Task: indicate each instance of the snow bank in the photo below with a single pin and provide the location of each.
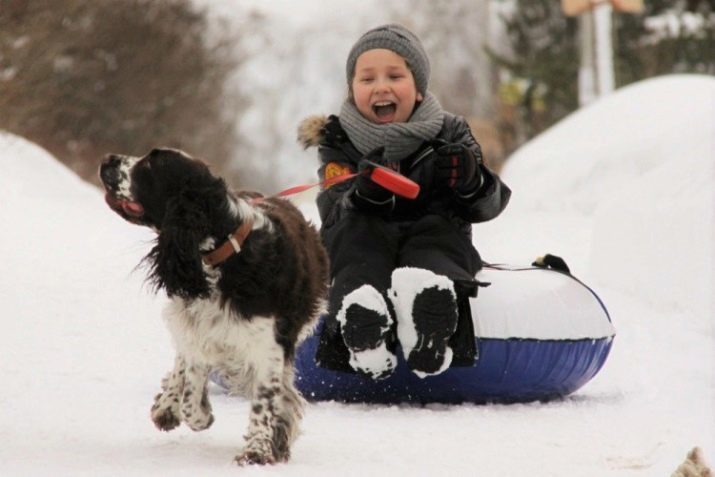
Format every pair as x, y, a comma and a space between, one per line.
28, 170
593, 154
639, 166
52, 210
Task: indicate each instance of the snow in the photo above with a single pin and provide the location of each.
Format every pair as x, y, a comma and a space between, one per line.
633, 174
622, 189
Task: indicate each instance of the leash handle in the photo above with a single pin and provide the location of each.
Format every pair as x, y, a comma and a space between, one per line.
395, 182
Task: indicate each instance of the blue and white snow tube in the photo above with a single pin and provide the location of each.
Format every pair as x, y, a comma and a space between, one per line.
540, 335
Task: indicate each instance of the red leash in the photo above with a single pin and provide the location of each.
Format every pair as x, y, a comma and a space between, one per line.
302, 188
387, 178
326, 183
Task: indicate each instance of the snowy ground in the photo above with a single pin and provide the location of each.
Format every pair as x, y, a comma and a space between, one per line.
623, 189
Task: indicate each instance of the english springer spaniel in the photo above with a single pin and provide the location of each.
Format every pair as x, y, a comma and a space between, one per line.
247, 278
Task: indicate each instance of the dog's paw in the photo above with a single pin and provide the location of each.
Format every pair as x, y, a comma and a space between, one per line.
164, 418
282, 455
197, 421
254, 458
165, 411
256, 452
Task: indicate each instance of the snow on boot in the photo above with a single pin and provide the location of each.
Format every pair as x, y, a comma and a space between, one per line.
366, 325
426, 308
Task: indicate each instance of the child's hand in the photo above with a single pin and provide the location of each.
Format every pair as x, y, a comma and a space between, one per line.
371, 191
376, 183
457, 168
365, 189
372, 158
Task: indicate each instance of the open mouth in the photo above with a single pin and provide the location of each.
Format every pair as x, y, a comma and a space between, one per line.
131, 210
384, 110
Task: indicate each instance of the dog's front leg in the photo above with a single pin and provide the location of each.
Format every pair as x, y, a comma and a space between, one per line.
266, 365
195, 405
290, 413
259, 448
166, 409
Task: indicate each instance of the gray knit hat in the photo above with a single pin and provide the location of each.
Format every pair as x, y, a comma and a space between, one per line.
398, 39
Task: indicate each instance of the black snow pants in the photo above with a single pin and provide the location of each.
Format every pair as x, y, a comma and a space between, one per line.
366, 249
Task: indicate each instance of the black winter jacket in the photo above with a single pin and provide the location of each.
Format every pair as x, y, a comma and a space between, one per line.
335, 147
344, 222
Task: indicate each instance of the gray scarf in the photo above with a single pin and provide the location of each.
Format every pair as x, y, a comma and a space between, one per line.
399, 139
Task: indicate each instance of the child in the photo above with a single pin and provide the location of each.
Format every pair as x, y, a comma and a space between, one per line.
402, 270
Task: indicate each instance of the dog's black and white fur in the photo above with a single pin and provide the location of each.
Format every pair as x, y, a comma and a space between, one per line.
242, 318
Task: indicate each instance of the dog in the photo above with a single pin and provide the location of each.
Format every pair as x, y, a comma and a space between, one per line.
247, 280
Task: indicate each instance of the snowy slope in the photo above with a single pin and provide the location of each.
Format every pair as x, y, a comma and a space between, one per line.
617, 188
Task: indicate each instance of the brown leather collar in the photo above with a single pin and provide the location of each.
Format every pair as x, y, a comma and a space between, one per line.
230, 246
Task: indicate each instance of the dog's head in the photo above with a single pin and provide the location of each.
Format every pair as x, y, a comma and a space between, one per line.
140, 189
177, 196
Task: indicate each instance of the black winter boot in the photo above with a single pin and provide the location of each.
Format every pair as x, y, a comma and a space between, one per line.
367, 330
426, 308
435, 318
364, 328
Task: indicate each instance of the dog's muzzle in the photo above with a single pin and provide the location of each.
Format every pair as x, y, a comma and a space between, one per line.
111, 176
131, 209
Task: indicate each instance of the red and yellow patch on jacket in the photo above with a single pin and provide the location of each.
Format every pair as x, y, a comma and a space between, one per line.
333, 170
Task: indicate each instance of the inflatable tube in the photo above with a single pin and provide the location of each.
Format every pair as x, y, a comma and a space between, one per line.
540, 335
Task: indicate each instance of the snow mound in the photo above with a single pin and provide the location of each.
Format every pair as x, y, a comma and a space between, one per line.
59, 233
51, 207
28, 170
596, 153
637, 165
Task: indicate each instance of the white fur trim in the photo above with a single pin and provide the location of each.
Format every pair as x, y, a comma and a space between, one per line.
310, 130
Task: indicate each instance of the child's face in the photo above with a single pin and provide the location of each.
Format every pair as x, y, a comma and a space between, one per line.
383, 87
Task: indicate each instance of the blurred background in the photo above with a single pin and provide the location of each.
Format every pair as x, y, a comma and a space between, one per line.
229, 80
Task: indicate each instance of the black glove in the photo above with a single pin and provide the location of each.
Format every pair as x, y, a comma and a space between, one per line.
456, 167
368, 194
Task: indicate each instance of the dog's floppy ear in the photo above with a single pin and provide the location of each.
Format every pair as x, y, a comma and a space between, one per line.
175, 260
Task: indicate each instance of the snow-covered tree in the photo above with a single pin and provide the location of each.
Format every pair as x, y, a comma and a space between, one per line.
670, 36
540, 72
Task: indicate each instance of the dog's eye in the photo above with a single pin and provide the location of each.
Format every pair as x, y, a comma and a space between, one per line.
142, 174
144, 164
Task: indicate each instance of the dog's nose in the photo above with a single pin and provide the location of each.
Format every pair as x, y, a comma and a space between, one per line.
109, 170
